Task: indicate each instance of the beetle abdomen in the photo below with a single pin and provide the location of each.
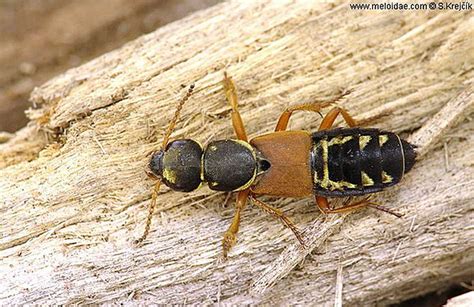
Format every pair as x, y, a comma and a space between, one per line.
356, 161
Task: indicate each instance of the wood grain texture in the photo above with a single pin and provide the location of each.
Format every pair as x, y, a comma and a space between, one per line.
70, 215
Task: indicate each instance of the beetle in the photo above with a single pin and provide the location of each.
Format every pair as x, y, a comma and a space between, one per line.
331, 162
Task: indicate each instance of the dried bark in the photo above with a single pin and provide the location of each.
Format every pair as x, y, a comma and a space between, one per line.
69, 216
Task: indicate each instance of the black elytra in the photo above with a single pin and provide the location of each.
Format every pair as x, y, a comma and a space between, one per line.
357, 161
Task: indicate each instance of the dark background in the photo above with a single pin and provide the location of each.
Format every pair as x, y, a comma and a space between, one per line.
40, 39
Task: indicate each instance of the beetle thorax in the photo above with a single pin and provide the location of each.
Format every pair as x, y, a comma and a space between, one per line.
229, 165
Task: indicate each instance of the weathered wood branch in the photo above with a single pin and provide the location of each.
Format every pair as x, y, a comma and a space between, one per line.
69, 216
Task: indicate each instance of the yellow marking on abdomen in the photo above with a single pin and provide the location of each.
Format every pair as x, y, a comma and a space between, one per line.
386, 178
341, 184
366, 180
383, 138
325, 181
363, 141
339, 141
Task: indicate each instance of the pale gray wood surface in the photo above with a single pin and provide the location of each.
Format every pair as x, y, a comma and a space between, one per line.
70, 215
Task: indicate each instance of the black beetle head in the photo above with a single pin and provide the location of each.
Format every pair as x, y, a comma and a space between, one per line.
156, 163
179, 165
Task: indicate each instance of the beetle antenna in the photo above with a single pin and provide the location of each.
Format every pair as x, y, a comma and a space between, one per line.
176, 116
156, 189
151, 209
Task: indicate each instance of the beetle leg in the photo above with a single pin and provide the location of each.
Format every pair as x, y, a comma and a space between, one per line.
329, 119
278, 214
313, 107
230, 235
323, 205
150, 174
231, 95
